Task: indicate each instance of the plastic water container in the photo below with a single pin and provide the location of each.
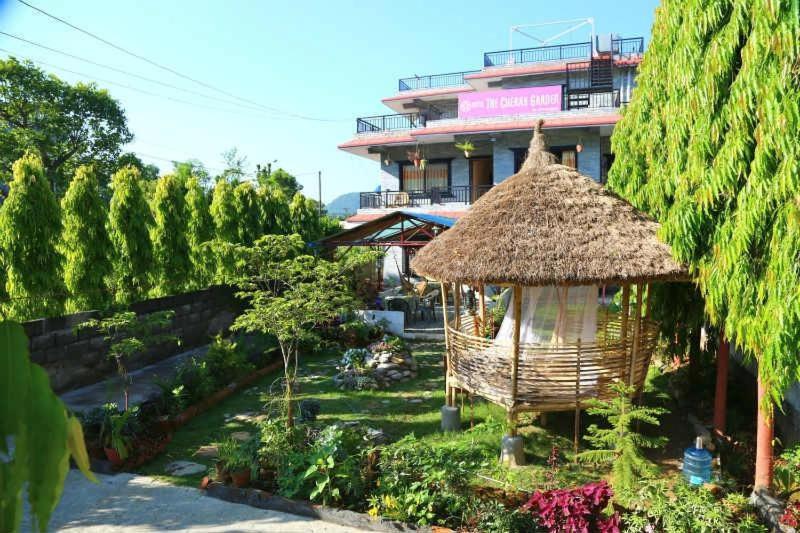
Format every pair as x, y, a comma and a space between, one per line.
697, 464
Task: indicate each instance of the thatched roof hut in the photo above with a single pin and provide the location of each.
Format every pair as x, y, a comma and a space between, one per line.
549, 225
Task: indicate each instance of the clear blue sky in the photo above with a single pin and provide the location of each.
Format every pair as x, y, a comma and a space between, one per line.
327, 59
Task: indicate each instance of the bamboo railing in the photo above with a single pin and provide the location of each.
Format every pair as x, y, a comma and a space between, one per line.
547, 377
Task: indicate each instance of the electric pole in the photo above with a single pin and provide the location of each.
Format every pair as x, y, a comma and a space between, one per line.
319, 185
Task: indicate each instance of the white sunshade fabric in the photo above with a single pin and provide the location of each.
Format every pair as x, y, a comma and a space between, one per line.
553, 315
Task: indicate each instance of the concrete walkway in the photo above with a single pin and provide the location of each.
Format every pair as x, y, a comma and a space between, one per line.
142, 384
127, 503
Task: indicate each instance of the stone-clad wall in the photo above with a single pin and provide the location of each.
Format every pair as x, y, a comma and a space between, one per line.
74, 359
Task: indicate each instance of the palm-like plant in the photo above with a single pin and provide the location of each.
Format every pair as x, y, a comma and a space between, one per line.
621, 445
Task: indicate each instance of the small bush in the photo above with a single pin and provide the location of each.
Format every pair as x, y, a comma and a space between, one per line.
579, 509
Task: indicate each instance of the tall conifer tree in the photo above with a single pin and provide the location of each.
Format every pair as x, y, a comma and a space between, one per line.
200, 230
85, 242
248, 213
223, 212
173, 263
30, 229
129, 222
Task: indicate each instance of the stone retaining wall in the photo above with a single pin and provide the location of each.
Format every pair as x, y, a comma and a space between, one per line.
74, 359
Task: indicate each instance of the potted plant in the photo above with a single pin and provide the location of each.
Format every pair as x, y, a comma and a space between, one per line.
467, 147
236, 461
423, 163
116, 442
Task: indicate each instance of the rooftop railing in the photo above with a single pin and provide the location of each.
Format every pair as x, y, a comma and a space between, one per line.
560, 52
434, 81
379, 123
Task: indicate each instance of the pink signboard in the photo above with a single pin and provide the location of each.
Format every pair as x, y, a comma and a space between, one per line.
525, 101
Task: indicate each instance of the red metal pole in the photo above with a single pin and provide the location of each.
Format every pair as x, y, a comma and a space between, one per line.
721, 394
764, 437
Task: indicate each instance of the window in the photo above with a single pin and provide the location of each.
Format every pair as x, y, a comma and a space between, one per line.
435, 176
566, 155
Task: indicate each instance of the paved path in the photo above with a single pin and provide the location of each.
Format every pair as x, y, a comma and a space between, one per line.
127, 503
143, 384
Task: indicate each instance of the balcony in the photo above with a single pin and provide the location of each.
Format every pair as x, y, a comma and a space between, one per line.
560, 52
459, 194
434, 81
379, 123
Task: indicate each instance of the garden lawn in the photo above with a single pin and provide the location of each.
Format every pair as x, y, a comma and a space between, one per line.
410, 407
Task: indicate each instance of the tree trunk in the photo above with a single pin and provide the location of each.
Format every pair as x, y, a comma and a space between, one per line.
764, 437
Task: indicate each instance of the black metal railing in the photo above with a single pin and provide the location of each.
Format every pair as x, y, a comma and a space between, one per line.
592, 99
463, 194
538, 54
627, 47
559, 52
403, 121
434, 81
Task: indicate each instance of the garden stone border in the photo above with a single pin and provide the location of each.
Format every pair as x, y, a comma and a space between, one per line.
342, 517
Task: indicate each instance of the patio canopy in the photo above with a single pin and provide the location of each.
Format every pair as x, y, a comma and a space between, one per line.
398, 228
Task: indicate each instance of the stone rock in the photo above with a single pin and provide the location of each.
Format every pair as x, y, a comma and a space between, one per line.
377, 436
241, 436
246, 417
386, 402
207, 452
184, 468
415, 400
406, 373
388, 366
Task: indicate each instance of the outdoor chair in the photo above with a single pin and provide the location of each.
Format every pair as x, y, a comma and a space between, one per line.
398, 304
428, 304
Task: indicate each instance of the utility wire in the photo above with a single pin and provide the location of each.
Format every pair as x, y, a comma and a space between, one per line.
171, 70
127, 73
146, 92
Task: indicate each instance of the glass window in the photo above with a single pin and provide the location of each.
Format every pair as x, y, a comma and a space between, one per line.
435, 176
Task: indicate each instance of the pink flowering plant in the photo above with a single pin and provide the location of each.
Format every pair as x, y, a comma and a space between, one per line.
577, 510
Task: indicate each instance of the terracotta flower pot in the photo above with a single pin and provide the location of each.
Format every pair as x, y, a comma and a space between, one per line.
241, 478
113, 456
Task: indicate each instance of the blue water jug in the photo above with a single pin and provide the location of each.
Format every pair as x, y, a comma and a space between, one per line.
697, 464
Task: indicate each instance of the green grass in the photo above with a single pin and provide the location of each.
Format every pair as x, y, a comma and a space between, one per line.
388, 410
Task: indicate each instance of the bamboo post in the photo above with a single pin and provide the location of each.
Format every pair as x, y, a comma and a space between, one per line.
447, 345
482, 306
577, 401
512, 416
457, 320
626, 301
765, 433
637, 323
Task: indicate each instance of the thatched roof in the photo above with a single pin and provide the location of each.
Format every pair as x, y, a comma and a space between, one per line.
549, 225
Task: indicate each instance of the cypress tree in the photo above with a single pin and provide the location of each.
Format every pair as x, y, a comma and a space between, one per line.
30, 228
274, 210
248, 213
173, 264
200, 229
129, 221
223, 212
85, 242
708, 145
304, 216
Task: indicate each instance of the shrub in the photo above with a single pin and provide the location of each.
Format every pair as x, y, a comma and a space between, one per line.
355, 358
238, 455
328, 470
791, 515
421, 484
578, 509
787, 473
674, 506
494, 517
226, 362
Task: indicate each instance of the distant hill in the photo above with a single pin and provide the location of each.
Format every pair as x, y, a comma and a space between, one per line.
344, 205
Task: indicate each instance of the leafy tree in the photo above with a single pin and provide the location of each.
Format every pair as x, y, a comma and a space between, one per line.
148, 172
304, 215
37, 436
200, 229
620, 445
69, 125
30, 229
223, 212
290, 299
192, 168
129, 336
708, 147
248, 213
235, 165
281, 179
129, 220
171, 251
85, 242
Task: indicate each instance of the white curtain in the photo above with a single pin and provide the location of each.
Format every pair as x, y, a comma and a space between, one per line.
544, 320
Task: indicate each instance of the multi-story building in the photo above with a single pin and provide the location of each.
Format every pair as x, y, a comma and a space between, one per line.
577, 88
